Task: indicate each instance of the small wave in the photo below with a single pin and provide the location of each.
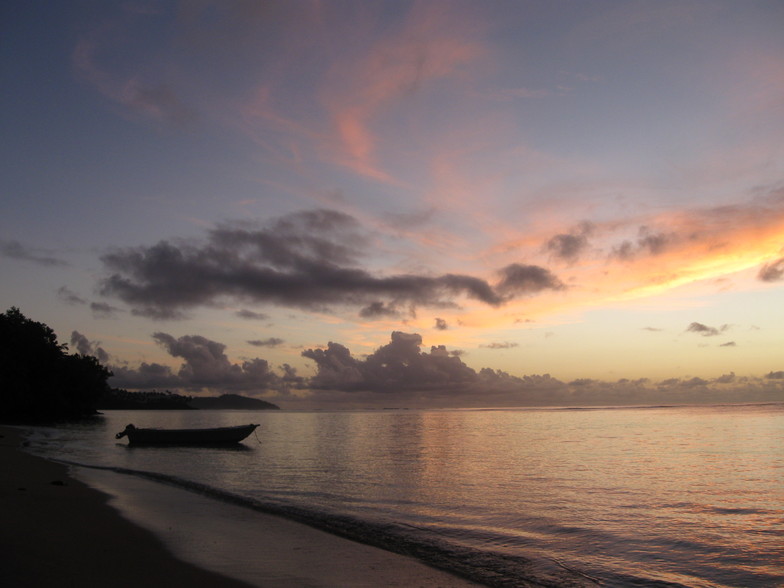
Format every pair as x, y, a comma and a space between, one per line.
485, 567
738, 511
711, 509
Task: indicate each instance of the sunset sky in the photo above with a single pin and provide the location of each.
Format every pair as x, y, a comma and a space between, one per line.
402, 203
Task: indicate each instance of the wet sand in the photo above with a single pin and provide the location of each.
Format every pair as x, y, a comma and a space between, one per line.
57, 530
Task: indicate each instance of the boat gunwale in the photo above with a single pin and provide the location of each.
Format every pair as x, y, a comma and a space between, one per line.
205, 436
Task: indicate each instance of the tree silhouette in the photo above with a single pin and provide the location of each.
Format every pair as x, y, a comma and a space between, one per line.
39, 380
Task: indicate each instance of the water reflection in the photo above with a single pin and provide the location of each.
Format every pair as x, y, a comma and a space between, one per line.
681, 493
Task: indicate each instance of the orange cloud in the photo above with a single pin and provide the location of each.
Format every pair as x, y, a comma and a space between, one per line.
683, 247
701, 246
642, 258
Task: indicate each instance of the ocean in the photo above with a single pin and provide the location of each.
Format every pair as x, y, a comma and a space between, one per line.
645, 496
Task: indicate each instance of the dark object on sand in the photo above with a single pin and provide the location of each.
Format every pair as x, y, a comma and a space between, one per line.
216, 436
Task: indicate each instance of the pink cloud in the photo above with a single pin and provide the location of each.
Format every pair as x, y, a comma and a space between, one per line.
400, 63
346, 110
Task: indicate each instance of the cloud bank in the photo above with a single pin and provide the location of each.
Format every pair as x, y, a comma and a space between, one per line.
399, 373
205, 367
308, 260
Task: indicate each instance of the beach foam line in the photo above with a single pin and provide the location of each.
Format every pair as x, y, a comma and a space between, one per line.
460, 564
108, 539
255, 546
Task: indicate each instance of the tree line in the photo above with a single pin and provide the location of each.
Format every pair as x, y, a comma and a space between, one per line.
39, 379
40, 382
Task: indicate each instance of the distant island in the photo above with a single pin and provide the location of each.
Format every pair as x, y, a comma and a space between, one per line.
120, 399
231, 401
41, 382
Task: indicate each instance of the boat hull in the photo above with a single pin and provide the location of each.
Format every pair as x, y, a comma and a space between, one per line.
214, 436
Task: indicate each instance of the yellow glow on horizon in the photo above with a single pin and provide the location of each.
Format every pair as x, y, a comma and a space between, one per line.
605, 283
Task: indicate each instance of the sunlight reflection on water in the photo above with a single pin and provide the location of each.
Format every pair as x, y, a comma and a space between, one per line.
687, 495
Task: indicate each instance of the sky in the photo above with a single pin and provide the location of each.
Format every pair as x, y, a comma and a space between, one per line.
376, 204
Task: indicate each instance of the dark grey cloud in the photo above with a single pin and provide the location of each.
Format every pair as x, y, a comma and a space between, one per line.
685, 383
726, 378
729, 344
450, 285
307, 260
401, 372
69, 296
205, 367
250, 315
772, 272
15, 250
582, 382
651, 329
396, 367
102, 310
379, 309
148, 376
518, 279
705, 330
655, 243
441, 324
271, 342
775, 375
569, 246
160, 314
648, 243
86, 347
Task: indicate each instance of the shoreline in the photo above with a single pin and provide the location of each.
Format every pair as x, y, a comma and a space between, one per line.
76, 527
57, 530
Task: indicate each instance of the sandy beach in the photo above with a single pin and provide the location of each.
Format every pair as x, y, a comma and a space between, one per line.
57, 530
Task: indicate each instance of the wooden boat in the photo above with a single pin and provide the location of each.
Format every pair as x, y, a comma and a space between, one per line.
215, 436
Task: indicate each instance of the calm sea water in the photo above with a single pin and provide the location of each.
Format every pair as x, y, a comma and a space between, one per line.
662, 496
